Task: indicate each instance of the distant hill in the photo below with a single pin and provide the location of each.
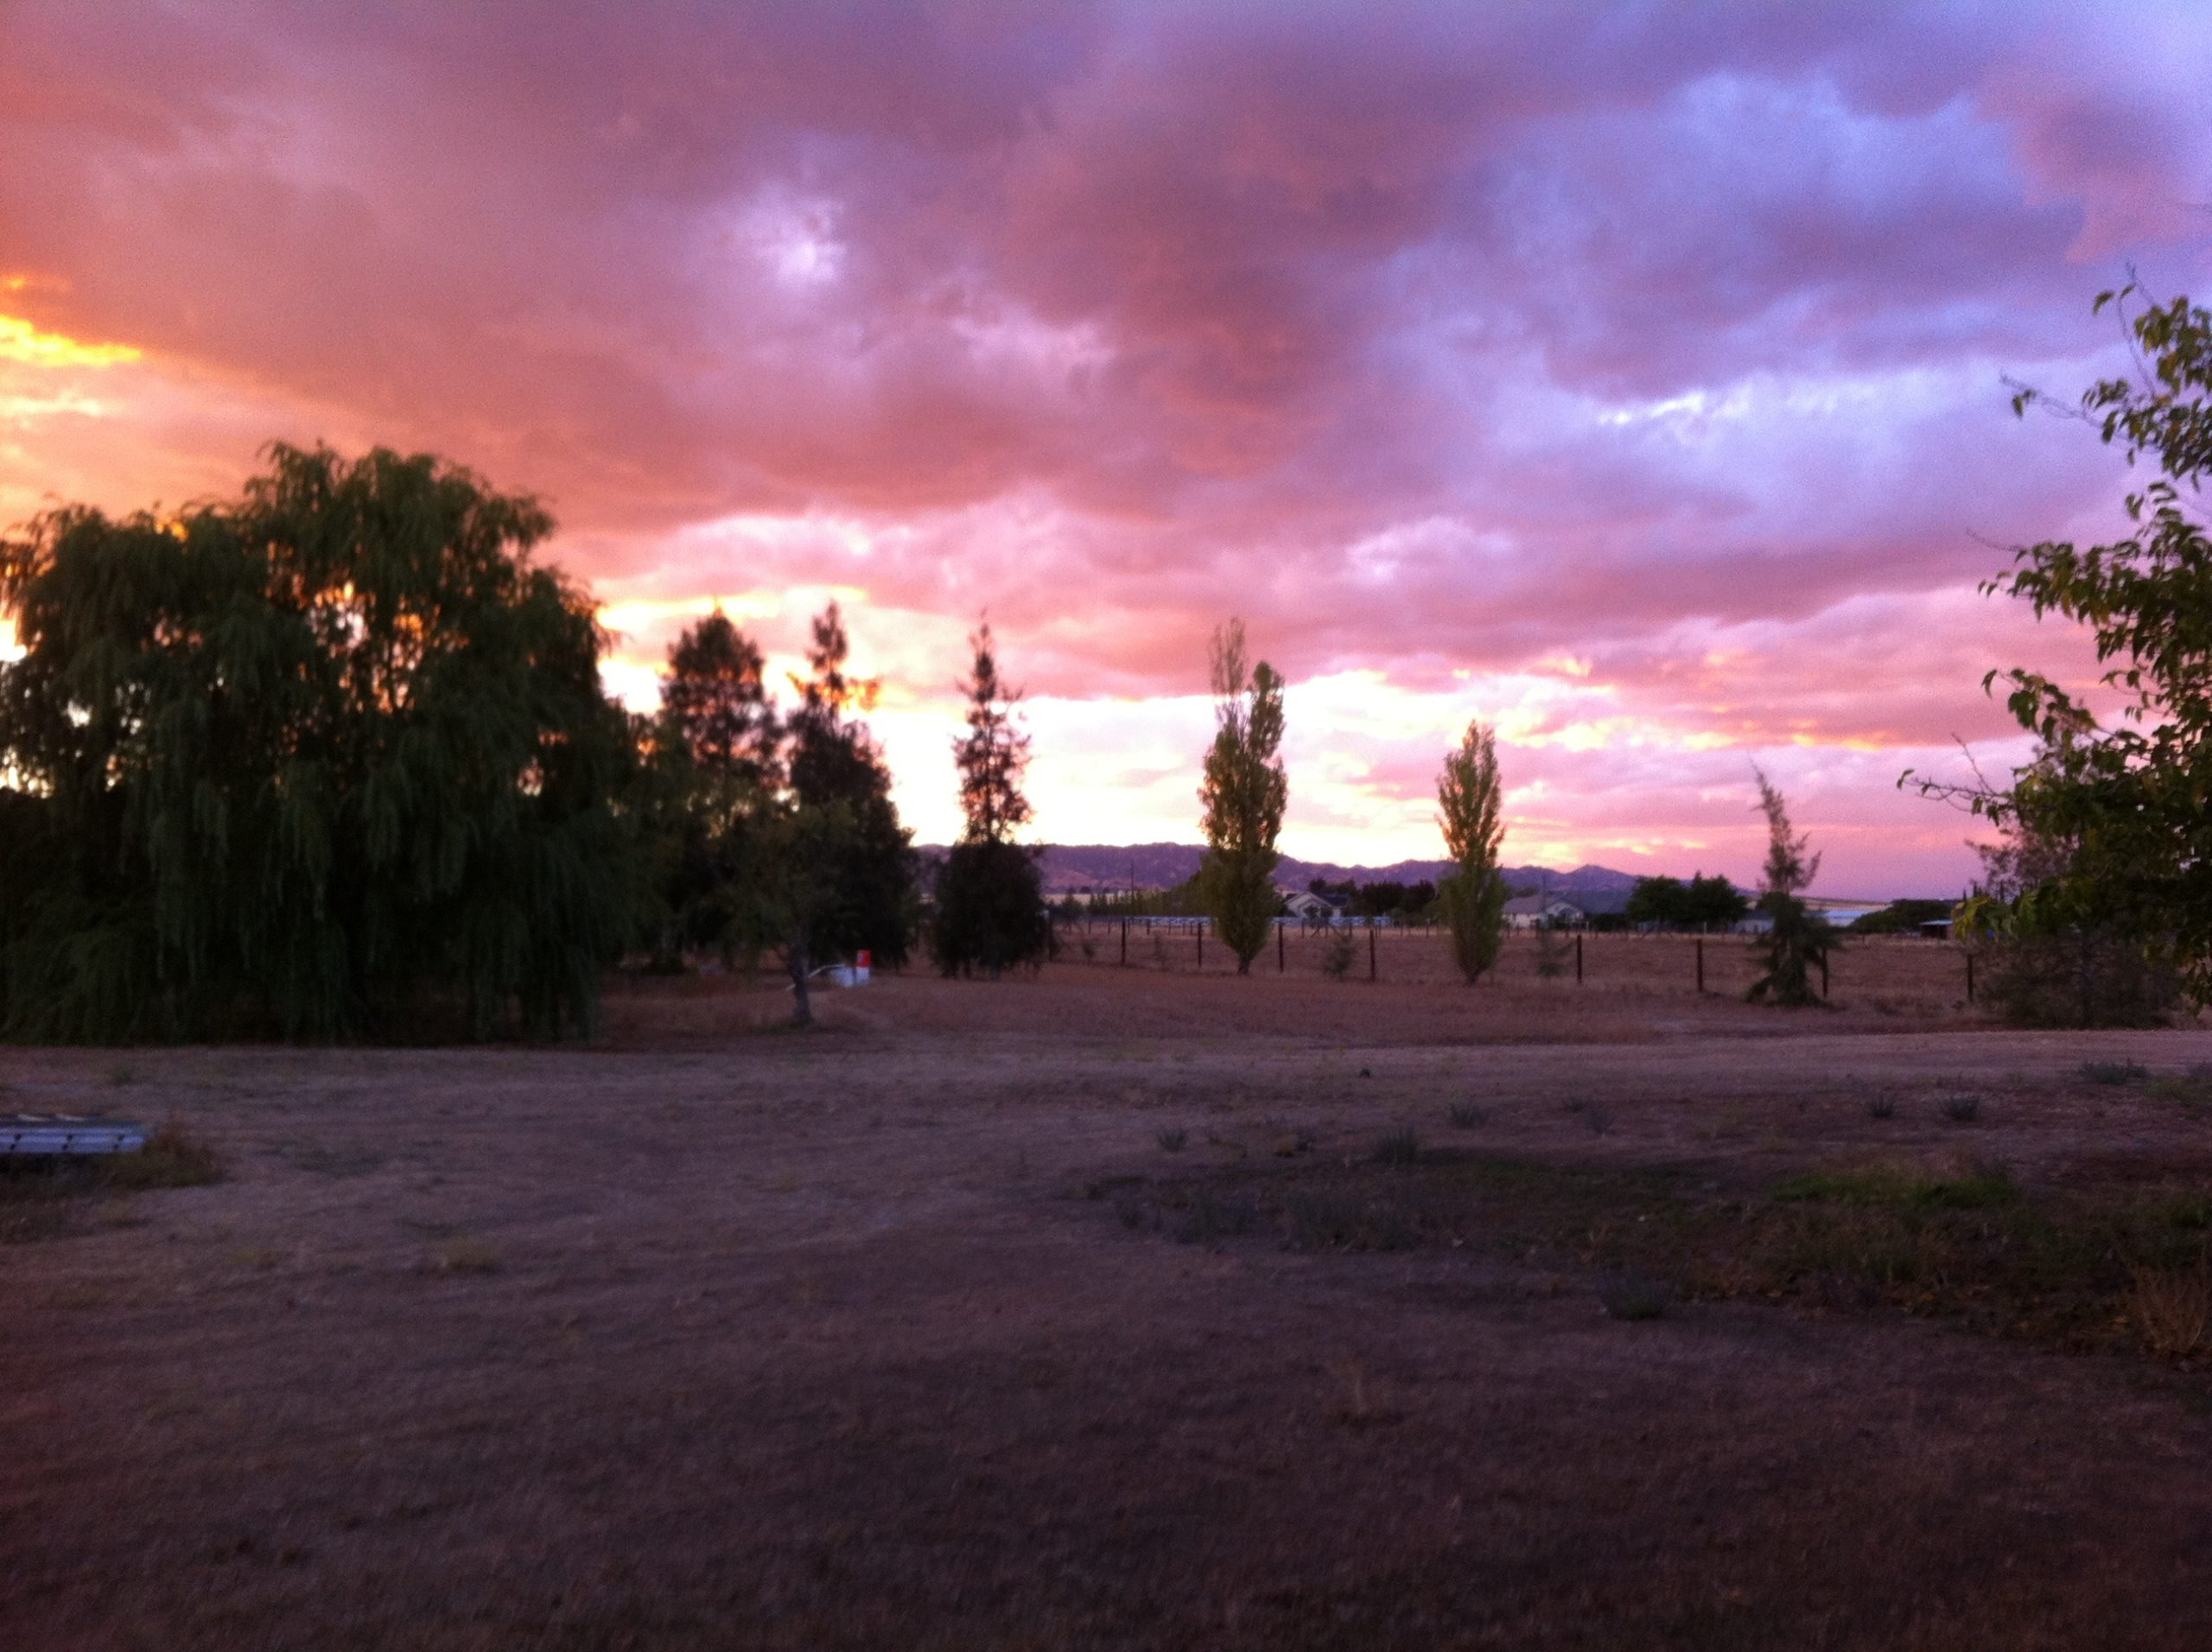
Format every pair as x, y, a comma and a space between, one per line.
1072, 867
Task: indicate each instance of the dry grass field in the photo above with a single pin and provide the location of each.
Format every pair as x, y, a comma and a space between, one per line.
1133, 1308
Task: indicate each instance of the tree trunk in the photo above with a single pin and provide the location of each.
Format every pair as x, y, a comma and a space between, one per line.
795, 959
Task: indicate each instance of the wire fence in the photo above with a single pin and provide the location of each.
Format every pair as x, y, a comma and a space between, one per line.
1875, 968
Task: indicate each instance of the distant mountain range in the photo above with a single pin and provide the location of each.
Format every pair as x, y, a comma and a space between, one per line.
1072, 867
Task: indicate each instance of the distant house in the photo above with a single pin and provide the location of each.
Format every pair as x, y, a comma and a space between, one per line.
1306, 907
1543, 912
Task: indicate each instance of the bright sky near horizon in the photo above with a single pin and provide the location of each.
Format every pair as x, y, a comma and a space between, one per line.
1629, 376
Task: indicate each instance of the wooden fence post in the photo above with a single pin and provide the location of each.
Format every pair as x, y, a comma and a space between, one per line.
1824, 981
1125, 943
1279, 961
1371, 950
1577, 960
1701, 963
1202, 946
1970, 977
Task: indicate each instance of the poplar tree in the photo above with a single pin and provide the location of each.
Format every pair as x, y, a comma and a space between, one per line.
1244, 795
1470, 801
990, 901
317, 761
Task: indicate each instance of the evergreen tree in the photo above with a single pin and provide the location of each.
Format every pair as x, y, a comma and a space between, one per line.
1244, 795
990, 901
836, 766
775, 832
1470, 801
1799, 939
315, 761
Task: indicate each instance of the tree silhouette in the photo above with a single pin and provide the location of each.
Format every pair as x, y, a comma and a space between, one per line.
315, 761
990, 903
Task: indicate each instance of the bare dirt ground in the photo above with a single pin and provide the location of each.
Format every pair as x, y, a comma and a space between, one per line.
885, 1335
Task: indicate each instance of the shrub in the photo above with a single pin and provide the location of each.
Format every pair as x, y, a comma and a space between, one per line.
2114, 1072
1962, 1109
1318, 1220
1399, 1147
1633, 1297
1882, 1107
1172, 1140
2170, 1309
1337, 958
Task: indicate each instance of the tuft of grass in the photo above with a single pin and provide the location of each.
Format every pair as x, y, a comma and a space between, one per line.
1172, 1141
1320, 1219
2113, 1073
173, 1157
2191, 1087
1882, 1107
1596, 1119
1901, 1187
1635, 1297
122, 1074
1206, 1217
1466, 1115
1398, 1146
2171, 1308
1963, 1108
464, 1256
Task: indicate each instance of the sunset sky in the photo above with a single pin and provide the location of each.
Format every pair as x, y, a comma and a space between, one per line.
1629, 376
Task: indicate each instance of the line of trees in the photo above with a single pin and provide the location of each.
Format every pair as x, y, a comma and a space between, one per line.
333, 760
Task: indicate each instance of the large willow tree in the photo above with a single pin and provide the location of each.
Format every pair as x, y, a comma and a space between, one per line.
319, 762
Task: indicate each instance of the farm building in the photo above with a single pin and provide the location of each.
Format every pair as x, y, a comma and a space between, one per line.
1543, 912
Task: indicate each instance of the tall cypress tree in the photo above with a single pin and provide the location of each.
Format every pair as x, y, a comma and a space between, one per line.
836, 764
990, 902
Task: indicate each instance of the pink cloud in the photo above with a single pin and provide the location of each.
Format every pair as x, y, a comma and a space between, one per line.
1437, 340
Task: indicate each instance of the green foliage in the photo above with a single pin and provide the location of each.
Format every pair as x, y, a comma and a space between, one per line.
1702, 903
314, 762
1470, 797
2126, 803
1404, 903
768, 831
1901, 918
1799, 940
1244, 795
1339, 954
2045, 963
990, 901
837, 770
